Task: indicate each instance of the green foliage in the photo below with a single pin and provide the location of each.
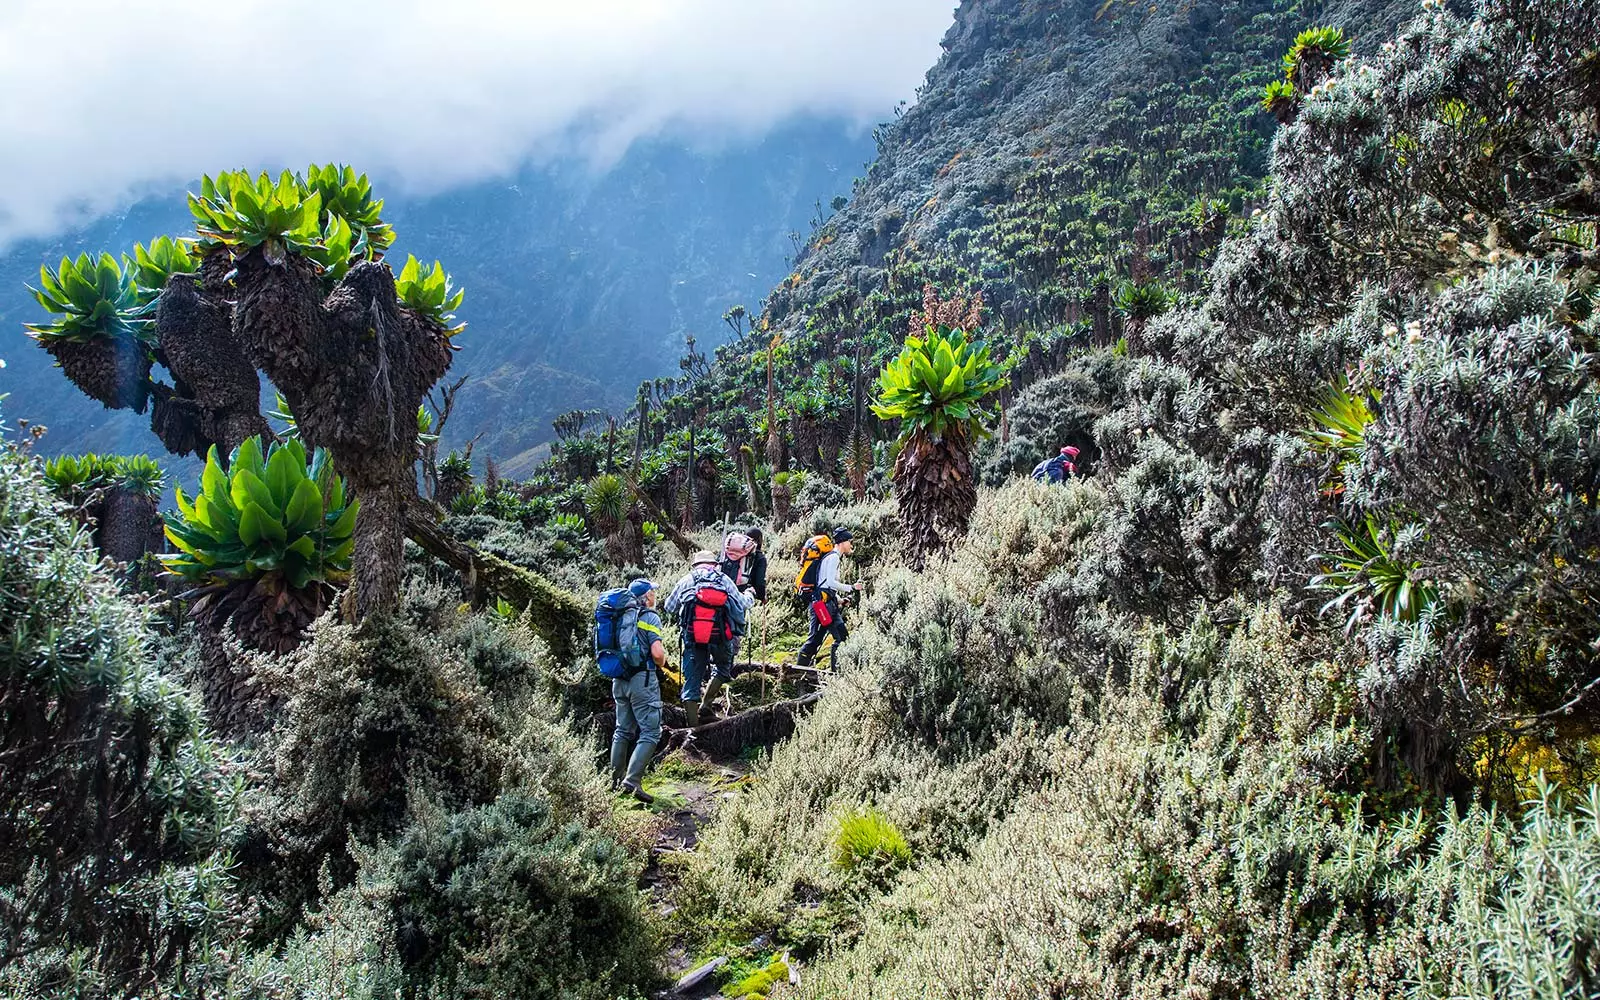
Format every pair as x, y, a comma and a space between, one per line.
114, 801
938, 383
75, 477
281, 217
653, 534
96, 298
165, 257
1278, 97
1142, 301
567, 522
1314, 47
606, 500
347, 196
758, 984
430, 294
1341, 422
1368, 578
867, 839
265, 515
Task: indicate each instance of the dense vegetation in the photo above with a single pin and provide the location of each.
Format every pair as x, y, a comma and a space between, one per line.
1292, 692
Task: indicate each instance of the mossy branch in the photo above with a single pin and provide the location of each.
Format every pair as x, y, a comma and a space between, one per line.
557, 617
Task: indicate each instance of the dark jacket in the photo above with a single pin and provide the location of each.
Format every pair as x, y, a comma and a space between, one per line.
755, 572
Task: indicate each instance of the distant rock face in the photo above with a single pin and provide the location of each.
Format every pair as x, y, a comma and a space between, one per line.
579, 284
1057, 147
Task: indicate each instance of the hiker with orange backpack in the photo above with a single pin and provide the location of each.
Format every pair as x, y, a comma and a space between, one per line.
711, 611
819, 584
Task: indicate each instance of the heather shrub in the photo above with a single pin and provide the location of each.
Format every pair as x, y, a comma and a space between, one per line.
116, 806
1206, 831
506, 900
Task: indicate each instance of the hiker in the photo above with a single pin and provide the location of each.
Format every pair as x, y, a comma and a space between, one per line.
819, 583
638, 692
1059, 468
745, 564
711, 612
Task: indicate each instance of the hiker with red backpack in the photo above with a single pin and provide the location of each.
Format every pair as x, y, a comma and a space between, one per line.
711, 611
819, 584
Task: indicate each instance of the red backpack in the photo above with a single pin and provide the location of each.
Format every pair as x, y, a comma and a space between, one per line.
710, 620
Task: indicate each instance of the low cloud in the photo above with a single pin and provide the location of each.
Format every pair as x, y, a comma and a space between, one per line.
107, 99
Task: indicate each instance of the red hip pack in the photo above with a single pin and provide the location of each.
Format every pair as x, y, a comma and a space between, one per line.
824, 613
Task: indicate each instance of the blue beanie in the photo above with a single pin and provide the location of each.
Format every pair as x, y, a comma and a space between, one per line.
640, 587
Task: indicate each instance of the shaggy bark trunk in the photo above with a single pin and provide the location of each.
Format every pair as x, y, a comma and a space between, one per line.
625, 542
354, 367
747, 465
683, 542
129, 526
782, 501
934, 488
380, 533
217, 399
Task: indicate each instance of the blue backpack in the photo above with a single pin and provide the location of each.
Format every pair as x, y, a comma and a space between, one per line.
616, 635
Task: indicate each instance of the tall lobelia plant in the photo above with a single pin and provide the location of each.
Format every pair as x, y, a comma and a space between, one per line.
935, 390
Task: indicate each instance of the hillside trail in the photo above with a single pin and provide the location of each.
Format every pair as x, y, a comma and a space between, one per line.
699, 772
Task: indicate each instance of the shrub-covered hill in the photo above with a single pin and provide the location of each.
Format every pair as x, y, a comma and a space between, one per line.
1295, 694
1057, 148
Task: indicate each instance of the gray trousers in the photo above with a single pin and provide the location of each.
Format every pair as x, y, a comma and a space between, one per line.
638, 730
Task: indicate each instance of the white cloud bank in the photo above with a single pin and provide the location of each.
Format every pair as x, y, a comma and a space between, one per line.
103, 99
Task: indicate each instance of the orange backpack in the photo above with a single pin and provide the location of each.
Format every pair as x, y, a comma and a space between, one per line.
810, 559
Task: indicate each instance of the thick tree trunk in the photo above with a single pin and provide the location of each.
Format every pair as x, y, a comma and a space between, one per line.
354, 367
380, 533
934, 487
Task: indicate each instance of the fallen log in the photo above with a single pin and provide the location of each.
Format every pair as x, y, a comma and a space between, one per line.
761, 726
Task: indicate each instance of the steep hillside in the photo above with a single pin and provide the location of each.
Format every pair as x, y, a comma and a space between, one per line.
579, 283
1057, 148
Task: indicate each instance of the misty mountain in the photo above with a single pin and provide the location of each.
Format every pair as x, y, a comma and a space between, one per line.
580, 281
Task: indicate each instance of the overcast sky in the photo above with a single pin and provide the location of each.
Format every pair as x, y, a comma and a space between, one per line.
101, 100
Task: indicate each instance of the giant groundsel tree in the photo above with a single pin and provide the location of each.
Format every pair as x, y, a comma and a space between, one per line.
284, 276
935, 388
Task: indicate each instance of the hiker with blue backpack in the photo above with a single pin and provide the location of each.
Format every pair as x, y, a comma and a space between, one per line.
711, 611
629, 651
1057, 469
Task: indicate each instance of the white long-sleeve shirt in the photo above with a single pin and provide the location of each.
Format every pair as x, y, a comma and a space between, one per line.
828, 574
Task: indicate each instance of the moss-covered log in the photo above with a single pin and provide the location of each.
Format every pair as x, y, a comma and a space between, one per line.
557, 617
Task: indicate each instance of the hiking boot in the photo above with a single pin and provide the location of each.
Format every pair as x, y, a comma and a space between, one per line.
691, 714
708, 703
629, 788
